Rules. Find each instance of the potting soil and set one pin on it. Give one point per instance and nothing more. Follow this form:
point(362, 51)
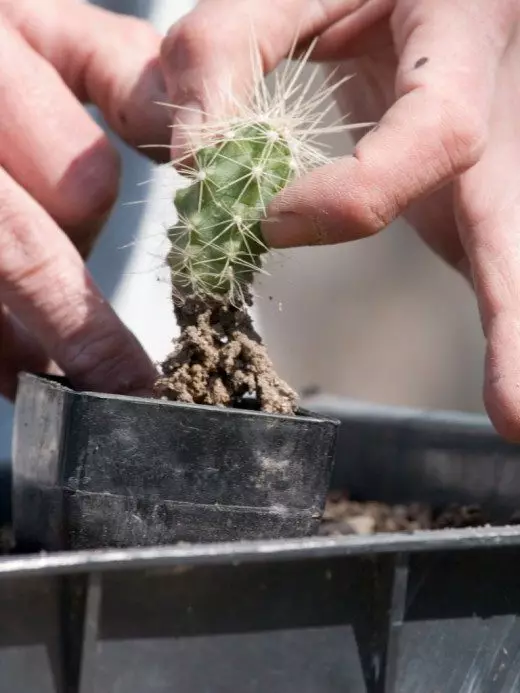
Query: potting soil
point(219, 359)
point(345, 516)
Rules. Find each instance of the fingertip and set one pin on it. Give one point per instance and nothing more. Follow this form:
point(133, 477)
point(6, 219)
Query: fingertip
point(124, 371)
point(289, 230)
point(502, 378)
point(299, 215)
point(503, 408)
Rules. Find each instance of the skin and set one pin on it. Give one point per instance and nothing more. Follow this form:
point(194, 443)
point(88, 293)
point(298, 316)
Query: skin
point(59, 178)
point(441, 79)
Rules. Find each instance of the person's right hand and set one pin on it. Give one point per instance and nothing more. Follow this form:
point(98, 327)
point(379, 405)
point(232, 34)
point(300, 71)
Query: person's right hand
point(59, 178)
point(441, 79)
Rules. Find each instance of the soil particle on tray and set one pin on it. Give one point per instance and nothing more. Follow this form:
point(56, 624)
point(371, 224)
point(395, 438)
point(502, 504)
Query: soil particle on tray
point(345, 516)
point(219, 359)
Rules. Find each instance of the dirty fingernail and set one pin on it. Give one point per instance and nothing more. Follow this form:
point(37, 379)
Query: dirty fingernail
point(187, 123)
point(288, 230)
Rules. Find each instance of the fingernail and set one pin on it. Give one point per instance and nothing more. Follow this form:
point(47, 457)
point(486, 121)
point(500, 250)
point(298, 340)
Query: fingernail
point(187, 122)
point(288, 230)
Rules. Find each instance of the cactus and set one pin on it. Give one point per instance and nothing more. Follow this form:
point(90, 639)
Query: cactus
point(236, 167)
point(216, 245)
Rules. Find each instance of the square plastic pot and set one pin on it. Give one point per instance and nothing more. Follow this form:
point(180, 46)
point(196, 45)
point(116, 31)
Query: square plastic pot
point(94, 470)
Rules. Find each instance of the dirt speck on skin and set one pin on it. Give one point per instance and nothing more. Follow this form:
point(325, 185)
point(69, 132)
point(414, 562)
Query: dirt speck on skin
point(219, 359)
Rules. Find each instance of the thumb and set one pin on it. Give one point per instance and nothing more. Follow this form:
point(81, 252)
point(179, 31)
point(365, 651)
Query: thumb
point(436, 129)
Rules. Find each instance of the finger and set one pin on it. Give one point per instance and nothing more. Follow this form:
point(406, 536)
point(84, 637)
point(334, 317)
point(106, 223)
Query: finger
point(108, 59)
point(363, 32)
point(436, 129)
point(44, 282)
point(488, 211)
point(18, 351)
point(210, 56)
point(51, 146)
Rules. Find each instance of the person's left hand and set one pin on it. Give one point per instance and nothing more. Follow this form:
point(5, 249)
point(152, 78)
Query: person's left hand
point(59, 179)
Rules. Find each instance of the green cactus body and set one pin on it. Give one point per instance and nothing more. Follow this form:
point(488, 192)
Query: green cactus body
point(216, 244)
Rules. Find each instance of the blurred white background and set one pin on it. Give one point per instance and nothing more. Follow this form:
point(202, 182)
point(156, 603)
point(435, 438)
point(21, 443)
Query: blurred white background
point(380, 320)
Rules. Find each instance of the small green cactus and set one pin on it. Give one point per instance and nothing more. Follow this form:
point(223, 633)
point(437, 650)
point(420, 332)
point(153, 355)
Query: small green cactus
point(216, 244)
point(236, 167)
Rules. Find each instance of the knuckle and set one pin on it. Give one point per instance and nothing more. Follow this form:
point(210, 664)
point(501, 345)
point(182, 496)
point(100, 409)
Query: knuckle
point(372, 216)
point(85, 353)
point(90, 187)
point(139, 33)
point(187, 41)
point(22, 263)
point(100, 360)
point(370, 209)
point(113, 93)
point(12, 223)
point(30, 274)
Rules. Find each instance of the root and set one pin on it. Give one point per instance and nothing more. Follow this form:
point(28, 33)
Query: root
point(220, 359)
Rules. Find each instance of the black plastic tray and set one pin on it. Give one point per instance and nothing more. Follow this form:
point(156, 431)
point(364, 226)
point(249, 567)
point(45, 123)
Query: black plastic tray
point(428, 612)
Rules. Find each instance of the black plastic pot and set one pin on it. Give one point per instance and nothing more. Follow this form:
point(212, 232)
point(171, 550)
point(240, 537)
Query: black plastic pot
point(425, 612)
point(94, 470)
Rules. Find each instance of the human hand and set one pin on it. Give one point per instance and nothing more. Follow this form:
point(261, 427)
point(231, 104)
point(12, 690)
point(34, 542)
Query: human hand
point(442, 81)
point(59, 177)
